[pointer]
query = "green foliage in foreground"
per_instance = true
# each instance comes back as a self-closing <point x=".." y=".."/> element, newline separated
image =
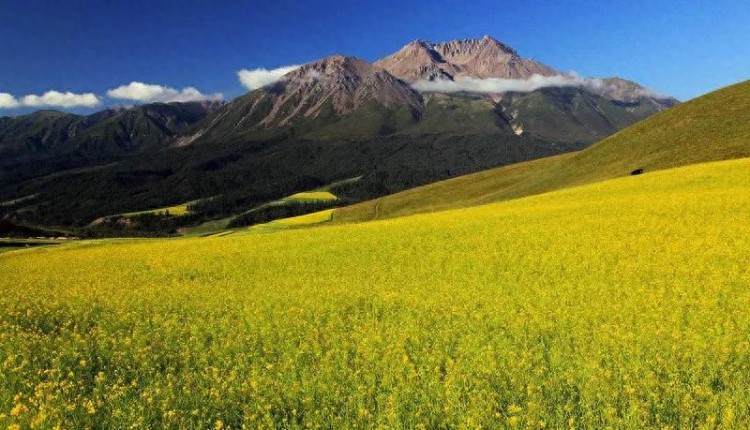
<point x="621" y="304"/>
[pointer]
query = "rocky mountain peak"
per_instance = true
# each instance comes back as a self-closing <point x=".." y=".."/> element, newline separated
<point x="479" y="58"/>
<point x="336" y="85"/>
<point x="332" y="66"/>
<point x="468" y="48"/>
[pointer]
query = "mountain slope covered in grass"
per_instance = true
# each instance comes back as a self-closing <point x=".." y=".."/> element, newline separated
<point x="712" y="127"/>
<point x="48" y="142"/>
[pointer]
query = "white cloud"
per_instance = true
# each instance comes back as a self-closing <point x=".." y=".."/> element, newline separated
<point x="58" y="99"/>
<point x="49" y="99"/>
<point x="258" y="78"/>
<point x="7" y="101"/>
<point x="497" y="85"/>
<point x="149" y="93"/>
<point x="535" y="82"/>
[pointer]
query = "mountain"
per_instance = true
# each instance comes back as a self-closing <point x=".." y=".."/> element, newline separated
<point x="329" y="93"/>
<point x="487" y="58"/>
<point x="117" y="129"/>
<point x="344" y="97"/>
<point x="143" y="127"/>
<point x="478" y="58"/>
<point x="47" y="141"/>
<point x="332" y="120"/>
<point x="573" y="113"/>
<point x="581" y="111"/>
<point x="713" y="127"/>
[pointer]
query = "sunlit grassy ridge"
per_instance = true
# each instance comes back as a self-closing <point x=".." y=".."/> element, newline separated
<point x="313" y="196"/>
<point x="710" y="128"/>
<point x="176" y="210"/>
<point x="313" y="218"/>
<point x="321" y="195"/>
<point x="300" y="221"/>
<point x="171" y="210"/>
<point x="622" y="304"/>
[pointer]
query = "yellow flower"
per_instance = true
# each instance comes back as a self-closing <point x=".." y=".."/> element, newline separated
<point x="18" y="409"/>
<point x="39" y="419"/>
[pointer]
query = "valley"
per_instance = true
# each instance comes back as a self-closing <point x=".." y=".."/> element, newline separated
<point x="448" y="235"/>
<point x="327" y="121"/>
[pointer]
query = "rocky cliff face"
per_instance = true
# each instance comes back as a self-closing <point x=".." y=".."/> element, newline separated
<point x="324" y="92"/>
<point x="478" y="58"/>
<point x="344" y="83"/>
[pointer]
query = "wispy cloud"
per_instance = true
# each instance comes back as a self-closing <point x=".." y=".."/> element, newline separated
<point x="497" y="85"/>
<point x="150" y="93"/>
<point x="258" y="78"/>
<point x="50" y="99"/>
<point x="535" y="82"/>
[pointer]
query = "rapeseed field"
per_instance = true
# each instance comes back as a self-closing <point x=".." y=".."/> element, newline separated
<point x="622" y="304"/>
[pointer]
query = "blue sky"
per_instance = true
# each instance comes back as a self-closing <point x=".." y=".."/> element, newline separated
<point x="681" y="48"/>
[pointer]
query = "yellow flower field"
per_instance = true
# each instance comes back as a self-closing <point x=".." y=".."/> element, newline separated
<point x="622" y="304"/>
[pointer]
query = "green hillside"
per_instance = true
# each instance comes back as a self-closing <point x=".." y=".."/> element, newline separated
<point x="83" y="168"/>
<point x="621" y="304"/>
<point x="713" y="127"/>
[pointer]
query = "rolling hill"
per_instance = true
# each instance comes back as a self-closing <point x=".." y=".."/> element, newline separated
<point x="618" y="304"/>
<point x="712" y="127"/>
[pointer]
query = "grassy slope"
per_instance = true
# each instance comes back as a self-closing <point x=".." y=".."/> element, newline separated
<point x="314" y="196"/>
<point x="621" y="303"/>
<point x="177" y="210"/>
<point x="11" y="244"/>
<point x="713" y="127"/>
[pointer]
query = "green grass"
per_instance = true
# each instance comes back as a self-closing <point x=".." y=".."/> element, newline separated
<point x="452" y="114"/>
<point x="219" y="226"/>
<point x="306" y="220"/>
<point x="312" y="196"/>
<point x="619" y="304"/>
<point x="176" y="210"/>
<point x="296" y="222"/>
<point x="208" y="228"/>
<point x="710" y="128"/>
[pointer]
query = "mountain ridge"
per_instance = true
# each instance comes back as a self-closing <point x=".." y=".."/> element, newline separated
<point x="326" y="121"/>
<point x="479" y="58"/>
